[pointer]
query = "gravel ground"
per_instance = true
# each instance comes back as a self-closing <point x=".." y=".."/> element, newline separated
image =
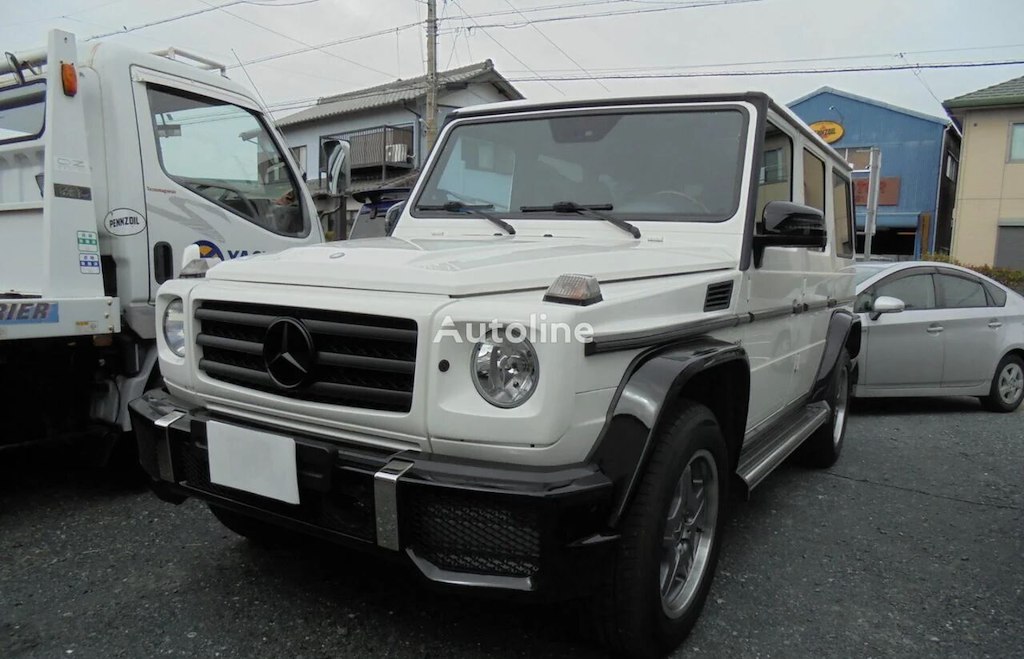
<point x="912" y="545"/>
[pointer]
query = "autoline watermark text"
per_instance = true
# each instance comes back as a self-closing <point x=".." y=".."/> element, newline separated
<point x="538" y="329"/>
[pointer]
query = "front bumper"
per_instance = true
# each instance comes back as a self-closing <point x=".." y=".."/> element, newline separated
<point x="538" y="533"/>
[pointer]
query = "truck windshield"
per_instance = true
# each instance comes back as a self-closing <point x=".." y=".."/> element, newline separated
<point x="22" y="111"/>
<point x="224" y="153"/>
<point x="673" y="165"/>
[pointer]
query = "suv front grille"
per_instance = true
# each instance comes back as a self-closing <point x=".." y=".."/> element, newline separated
<point x="358" y="360"/>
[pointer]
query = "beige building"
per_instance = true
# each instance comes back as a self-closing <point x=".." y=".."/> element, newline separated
<point x="989" y="215"/>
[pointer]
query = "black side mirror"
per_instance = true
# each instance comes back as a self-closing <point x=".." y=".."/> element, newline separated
<point x="785" y="217"/>
<point x="786" y="224"/>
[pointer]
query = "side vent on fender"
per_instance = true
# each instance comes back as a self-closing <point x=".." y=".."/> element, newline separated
<point x="718" y="297"/>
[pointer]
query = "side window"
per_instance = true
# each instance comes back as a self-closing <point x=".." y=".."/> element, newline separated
<point x="916" y="291"/>
<point x="996" y="294"/>
<point x="224" y="154"/>
<point x="962" y="293"/>
<point x="814" y="181"/>
<point x="844" y="215"/>
<point x="775" y="178"/>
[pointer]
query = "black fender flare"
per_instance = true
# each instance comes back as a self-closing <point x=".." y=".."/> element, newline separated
<point x="844" y="332"/>
<point x="652" y="380"/>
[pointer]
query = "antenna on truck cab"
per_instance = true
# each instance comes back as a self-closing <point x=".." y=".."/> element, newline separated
<point x="184" y="56"/>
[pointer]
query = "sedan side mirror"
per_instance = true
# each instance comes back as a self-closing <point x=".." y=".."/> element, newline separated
<point x="886" y="304"/>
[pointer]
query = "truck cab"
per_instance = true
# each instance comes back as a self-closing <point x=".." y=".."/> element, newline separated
<point x="593" y="320"/>
<point x="112" y="162"/>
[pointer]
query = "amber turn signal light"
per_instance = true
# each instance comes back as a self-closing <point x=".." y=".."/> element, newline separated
<point x="69" y="78"/>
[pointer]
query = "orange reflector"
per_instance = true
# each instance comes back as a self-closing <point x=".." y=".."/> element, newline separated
<point x="69" y="78"/>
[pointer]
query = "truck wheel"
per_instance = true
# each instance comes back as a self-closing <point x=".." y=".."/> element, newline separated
<point x="250" y="528"/>
<point x="670" y="540"/>
<point x="822" y="449"/>
<point x="1007" y="389"/>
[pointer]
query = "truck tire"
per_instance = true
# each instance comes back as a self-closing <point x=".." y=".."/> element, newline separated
<point x="1007" y="388"/>
<point x="822" y="449"/>
<point x="670" y="540"/>
<point x="252" y="529"/>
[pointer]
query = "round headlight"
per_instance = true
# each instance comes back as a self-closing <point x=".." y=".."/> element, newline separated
<point x="174" y="327"/>
<point x="505" y="370"/>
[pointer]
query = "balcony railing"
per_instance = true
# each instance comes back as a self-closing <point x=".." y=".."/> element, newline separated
<point x="383" y="146"/>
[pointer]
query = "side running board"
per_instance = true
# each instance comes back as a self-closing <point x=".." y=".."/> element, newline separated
<point x="766" y="451"/>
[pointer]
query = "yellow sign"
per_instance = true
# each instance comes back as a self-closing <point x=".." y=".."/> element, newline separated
<point x="829" y="131"/>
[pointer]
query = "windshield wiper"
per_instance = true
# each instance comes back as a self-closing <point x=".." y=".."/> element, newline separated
<point x="470" y="209"/>
<point x="592" y="211"/>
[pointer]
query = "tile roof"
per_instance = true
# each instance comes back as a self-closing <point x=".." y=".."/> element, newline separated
<point x="399" y="91"/>
<point x="1010" y="92"/>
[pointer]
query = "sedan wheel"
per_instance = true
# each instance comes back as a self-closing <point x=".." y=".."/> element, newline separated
<point x="1007" y="388"/>
<point x="1011" y="383"/>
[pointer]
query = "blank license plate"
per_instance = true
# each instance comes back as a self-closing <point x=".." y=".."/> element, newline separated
<point x="252" y="461"/>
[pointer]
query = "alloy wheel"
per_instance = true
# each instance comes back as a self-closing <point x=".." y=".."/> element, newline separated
<point x="689" y="533"/>
<point x="1011" y="383"/>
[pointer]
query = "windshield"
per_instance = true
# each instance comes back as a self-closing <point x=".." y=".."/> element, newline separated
<point x="668" y="165"/>
<point x="223" y="153"/>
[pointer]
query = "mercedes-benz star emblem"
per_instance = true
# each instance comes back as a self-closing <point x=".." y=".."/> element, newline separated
<point x="289" y="353"/>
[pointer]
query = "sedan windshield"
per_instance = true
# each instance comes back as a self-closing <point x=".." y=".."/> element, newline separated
<point x="669" y="165"/>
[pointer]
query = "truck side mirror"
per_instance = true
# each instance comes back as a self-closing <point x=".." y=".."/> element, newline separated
<point x="339" y="168"/>
<point x="189" y="254"/>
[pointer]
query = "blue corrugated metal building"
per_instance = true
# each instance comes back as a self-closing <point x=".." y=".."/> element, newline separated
<point x="919" y="166"/>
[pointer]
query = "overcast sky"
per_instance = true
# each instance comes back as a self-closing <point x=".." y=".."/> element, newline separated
<point x="657" y="37"/>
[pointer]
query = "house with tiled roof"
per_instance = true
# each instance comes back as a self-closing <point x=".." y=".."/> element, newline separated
<point x="989" y="215"/>
<point x="385" y="124"/>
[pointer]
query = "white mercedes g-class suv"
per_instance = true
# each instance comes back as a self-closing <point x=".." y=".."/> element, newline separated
<point x="592" y="321"/>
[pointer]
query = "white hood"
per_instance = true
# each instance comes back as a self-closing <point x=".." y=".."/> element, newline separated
<point x="460" y="267"/>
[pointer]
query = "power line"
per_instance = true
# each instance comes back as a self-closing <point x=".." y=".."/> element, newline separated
<point x="329" y="44"/>
<point x="291" y="38"/>
<point x="776" y="72"/>
<point x="616" y="12"/>
<point x="209" y="8"/>
<point x="689" y="67"/>
<point x="500" y="45"/>
<point x="559" y="48"/>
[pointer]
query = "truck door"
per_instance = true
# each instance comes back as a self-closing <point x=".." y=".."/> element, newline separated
<point x="214" y="175"/>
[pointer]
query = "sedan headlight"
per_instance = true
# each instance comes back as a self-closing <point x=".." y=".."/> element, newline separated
<point x="505" y="370"/>
<point x="174" y="327"/>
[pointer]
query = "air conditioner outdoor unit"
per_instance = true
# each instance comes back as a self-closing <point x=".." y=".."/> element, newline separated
<point x="397" y="153"/>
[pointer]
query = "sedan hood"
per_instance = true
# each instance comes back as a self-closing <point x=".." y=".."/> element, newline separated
<point x="460" y="267"/>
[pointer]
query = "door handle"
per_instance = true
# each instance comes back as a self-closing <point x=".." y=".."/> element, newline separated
<point x="994" y="324"/>
<point x="935" y="329"/>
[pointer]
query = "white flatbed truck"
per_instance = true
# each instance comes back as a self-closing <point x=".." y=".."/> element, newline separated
<point x="112" y="163"/>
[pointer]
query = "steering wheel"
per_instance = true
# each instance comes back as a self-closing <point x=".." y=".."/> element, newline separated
<point x="251" y="207"/>
<point x="677" y="193"/>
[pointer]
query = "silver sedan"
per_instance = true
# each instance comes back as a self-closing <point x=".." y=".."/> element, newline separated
<point x="932" y="329"/>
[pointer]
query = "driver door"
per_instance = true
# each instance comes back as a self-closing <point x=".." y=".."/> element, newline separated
<point x="213" y="175"/>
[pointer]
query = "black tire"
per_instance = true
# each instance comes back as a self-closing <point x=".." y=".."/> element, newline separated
<point x="252" y="529"/>
<point x="822" y="448"/>
<point x="1008" y="374"/>
<point x="630" y="613"/>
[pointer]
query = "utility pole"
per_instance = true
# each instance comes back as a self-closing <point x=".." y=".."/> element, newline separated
<point x="874" y="189"/>
<point x="431" y="73"/>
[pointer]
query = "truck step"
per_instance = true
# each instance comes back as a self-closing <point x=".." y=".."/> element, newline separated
<point x="766" y="450"/>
